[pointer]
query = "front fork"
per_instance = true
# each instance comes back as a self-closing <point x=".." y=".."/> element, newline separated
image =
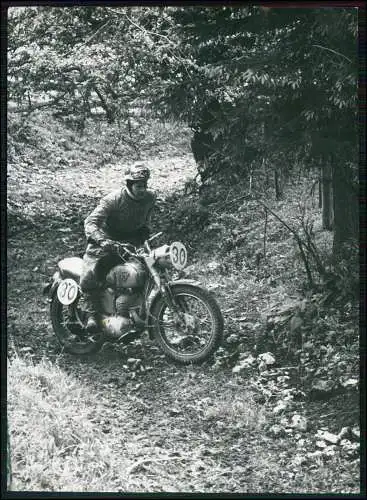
<point x="162" y="285"/>
<point x="162" y="288"/>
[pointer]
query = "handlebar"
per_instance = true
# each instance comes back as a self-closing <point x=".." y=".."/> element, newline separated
<point x="126" y="247"/>
<point x="154" y="236"/>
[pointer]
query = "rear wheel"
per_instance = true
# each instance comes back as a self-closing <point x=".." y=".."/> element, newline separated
<point x="68" y="324"/>
<point x="194" y="332"/>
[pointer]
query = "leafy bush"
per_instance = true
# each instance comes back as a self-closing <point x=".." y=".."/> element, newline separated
<point x="182" y="218"/>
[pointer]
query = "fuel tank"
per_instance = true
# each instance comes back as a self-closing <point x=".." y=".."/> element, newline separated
<point x="128" y="275"/>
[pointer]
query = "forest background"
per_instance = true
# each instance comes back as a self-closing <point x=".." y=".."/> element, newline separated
<point x="248" y="117"/>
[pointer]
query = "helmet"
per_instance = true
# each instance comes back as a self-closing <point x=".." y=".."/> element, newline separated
<point x="137" y="172"/>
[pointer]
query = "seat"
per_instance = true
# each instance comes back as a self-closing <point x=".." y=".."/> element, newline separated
<point x="71" y="267"/>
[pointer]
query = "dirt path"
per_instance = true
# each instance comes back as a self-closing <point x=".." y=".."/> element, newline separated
<point x="39" y="190"/>
<point x="168" y="428"/>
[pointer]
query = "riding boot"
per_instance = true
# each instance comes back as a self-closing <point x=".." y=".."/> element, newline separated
<point x="92" y="302"/>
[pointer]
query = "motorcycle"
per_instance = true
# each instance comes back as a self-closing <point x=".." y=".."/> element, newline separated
<point x="138" y="295"/>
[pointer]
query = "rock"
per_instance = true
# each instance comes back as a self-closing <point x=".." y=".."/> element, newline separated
<point x="345" y="443"/>
<point x="299" y="460"/>
<point x="232" y="339"/>
<point x="249" y="359"/>
<point x="349" y="449"/>
<point x="322" y="389"/>
<point x="323" y="385"/>
<point x="301" y="443"/>
<point x="350" y="382"/>
<point x="314" y="454"/>
<point x="244" y="364"/>
<point x="321" y="444"/>
<point x="281" y="406"/>
<point x="132" y="361"/>
<point x="344" y="433"/>
<point x="267" y="358"/>
<point x="329" y="451"/>
<point x="356" y="434"/>
<point x="262" y="366"/>
<point x="299" y="422"/>
<point x="276" y="431"/>
<point x="26" y="349"/>
<point x="213" y="266"/>
<point x="295" y="323"/>
<point x="328" y="436"/>
<point x="174" y="411"/>
<point x="283" y="379"/>
<point x="292" y="393"/>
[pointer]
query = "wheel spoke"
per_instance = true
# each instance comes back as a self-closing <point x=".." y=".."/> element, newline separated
<point x="194" y="332"/>
<point x="70" y="330"/>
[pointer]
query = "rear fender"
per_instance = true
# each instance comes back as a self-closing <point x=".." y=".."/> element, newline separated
<point x="158" y="295"/>
<point x="71" y="267"/>
<point x="51" y="287"/>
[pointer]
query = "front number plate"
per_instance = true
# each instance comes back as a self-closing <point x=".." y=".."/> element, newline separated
<point x="67" y="291"/>
<point x="178" y="254"/>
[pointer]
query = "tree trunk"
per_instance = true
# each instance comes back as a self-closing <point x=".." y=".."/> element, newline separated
<point x="278" y="184"/>
<point x="327" y="196"/>
<point x="109" y="112"/>
<point x="346" y="223"/>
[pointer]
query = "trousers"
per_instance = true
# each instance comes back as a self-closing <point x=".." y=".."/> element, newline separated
<point x="95" y="269"/>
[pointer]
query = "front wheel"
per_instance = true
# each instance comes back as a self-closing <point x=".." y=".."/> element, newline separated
<point x="193" y="332"/>
<point x="68" y="324"/>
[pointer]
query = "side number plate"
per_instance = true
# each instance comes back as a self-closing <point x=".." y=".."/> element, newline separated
<point x="67" y="291"/>
<point x="178" y="254"/>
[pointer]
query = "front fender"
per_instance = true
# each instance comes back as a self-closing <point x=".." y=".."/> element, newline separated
<point x="173" y="283"/>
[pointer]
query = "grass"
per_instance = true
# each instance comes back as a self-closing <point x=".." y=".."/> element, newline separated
<point x="55" y="446"/>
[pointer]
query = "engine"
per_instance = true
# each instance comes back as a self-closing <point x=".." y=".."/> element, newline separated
<point x="128" y="300"/>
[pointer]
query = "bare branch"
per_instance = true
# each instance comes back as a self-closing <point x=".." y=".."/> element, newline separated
<point x="333" y="51"/>
<point x="77" y="47"/>
<point x="265" y="231"/>
<point x="95" y="33"/>
<point x="144" y="30"/>
<point x="33" y="107"/>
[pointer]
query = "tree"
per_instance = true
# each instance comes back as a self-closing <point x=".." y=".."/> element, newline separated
<point x="278" y="83"/>
<point x="296" y="70"/>
<point x="79" y="59"/>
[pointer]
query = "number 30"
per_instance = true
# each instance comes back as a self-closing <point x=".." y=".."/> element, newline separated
<point x="178" y="255"/>
<point x="67" y="291"/>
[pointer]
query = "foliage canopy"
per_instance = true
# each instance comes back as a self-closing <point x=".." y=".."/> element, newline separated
<point x="263" y="86"/>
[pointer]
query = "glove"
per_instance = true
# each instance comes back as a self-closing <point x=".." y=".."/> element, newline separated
<point x="108" y="246"/>
<point x="125" y="250"/>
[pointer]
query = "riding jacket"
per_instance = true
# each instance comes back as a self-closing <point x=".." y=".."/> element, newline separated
<point x="121" y="217"/>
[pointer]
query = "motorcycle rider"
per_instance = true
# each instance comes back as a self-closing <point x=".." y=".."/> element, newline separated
<point x="122" y="216"/>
